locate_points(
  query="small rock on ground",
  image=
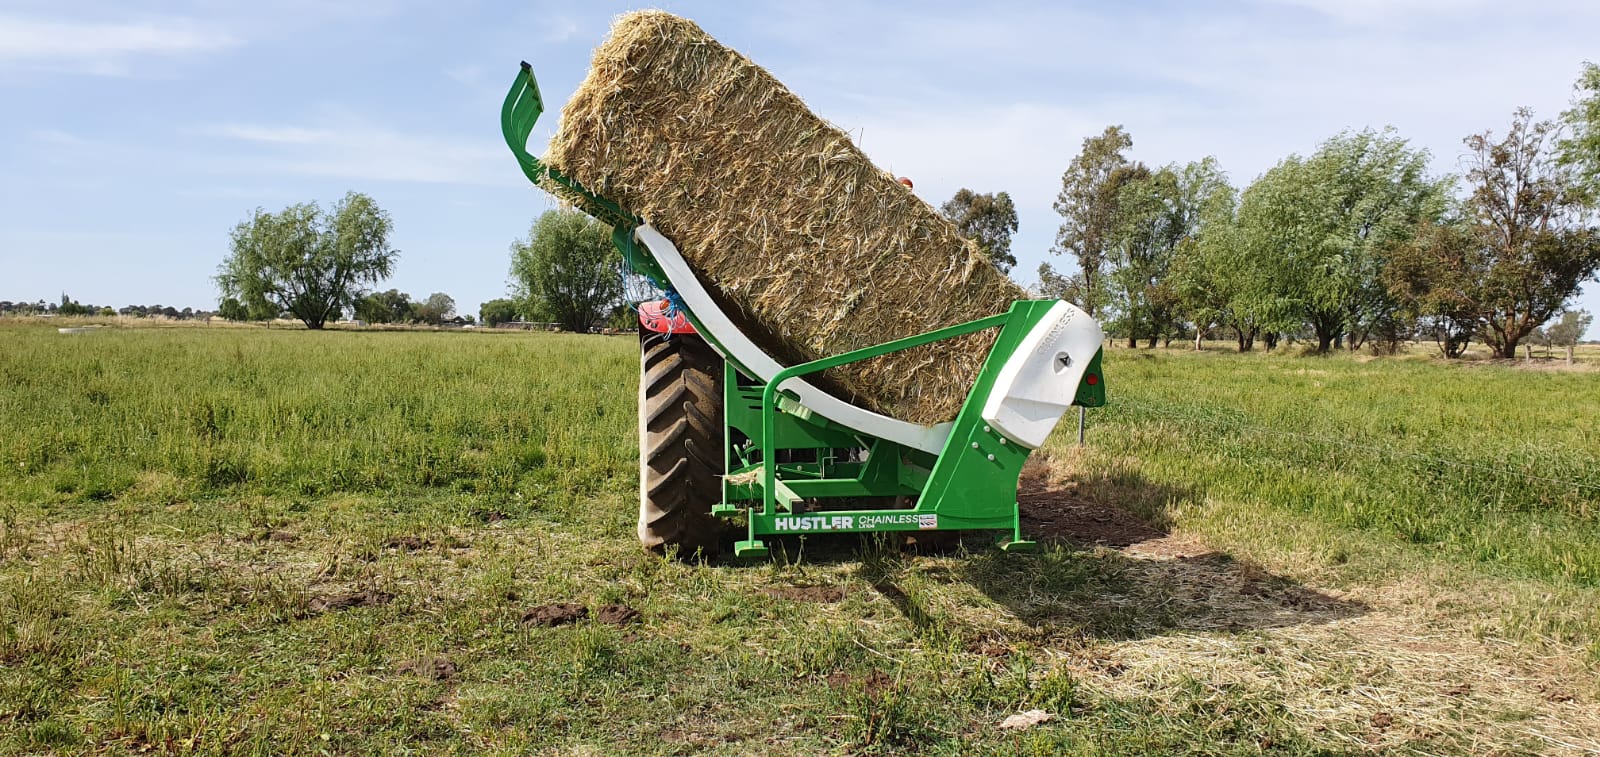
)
(1027, 719)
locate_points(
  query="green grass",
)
(237, 540)
(89, 416)
(1492, 463)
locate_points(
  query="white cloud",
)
(472, 77)
(58, 137)
(558, 29)
(987, 149)
(283, 135)
(102, 48)
(1370, 12)
(358, 150)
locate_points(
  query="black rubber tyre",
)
(680, 443)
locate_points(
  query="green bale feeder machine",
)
(726, 432)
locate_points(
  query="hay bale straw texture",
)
(811, 248)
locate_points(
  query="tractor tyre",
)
(681, 454)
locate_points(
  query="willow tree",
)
(566, 270)
(310, 263)
(1324, 221)
(1580, 150)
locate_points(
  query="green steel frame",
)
(970, 485)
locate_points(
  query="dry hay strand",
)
(812, 249)
(1370, 682)
(740, 479)
(1385, 674)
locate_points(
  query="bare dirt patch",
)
(436, 668)
(556, 614)
(272, 535)
(990, 644)
(872, 684)
(617, 615)
(408, 543)
(1052, 513)
(345, 601)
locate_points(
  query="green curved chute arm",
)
(521, 111)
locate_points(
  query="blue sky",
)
(136, 134)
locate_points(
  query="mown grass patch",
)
(1491, 463)
(239, 540)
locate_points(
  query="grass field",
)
(239, 540)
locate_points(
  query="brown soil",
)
(824, 594)
(408, 543)
(930, 542)
(876, 683)
(557, 614)
(617, 615)
(437, 668)
(1052, 514)
(1554, 695)
(872, 684)
(363, 598)
(990, 644)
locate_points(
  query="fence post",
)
(1082, 412)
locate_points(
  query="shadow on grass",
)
(1103, 570)
(1108, 568)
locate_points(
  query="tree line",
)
(1354, 245)
(316, 265)
(71, 307)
